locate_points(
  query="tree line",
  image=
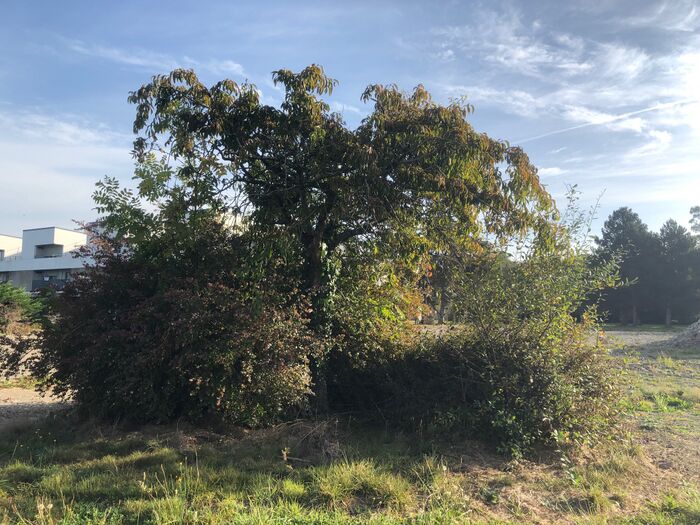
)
(660, 271)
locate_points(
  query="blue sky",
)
(603, 94)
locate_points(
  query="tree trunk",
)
(312, 287)
(443, 306)
(635, 315)
(668, 315)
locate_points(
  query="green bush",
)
(521, 368)
(18, 319)
(140, 339)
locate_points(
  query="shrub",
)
(519, 369)
(18, 317)
(138, 338)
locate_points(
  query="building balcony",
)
(40, 284)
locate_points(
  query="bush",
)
(520, 369)
(137, 338)
(18, 317)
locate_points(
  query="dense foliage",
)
(271, 258)
(143, 337)
(413, 177)
(661, 270)
(522, 369)
(18, 315)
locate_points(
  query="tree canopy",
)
(661, 270)
(414, 173)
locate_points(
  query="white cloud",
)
(155, 61)
(514, 101)
(614, 122)
(217, 67)
(339, 107)
(617, 60)
(134, 57)
(670, 15)
(50, 164)
(550, 172)
(446, 55)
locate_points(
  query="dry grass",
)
(328, 472)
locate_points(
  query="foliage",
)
(522, 370)
(695, 220)
(260, 239)
(177, 327)
(413, 177)
(677, 278)
(624, 234)
(18, 318)
(16, 305)
(661, 270)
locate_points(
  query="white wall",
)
(10, 245)
(59, 245)
(69, 239)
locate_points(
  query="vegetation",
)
(342, 471)
(523, 372)
(661, 270)
(271, 254)
(18, 314)
(256, 297)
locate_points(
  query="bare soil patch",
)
(19, 405)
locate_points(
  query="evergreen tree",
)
(695, 220)
(676, 278)
(625, 235)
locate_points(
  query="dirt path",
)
(671, 437)
(18, 405)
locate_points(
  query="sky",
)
(601, 94)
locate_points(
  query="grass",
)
(338, 472)
(51, 474)
(18, 382)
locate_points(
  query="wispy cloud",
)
(670, 15)
(504, 40)
(155, 61)
(622, 121)
(339, 107)
(512, 101)
(550, 172)
(50, 163)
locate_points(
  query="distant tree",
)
(676, 279)
(625, 235)
(695, 220)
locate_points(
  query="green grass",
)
(51, 474)
(18, 382)
(342, 473)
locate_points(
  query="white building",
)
(41, 257)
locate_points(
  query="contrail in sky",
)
(614, 118)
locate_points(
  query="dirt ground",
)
(19, 405)
(670, 436)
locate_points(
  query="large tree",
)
(414, 178)
(411, 166)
